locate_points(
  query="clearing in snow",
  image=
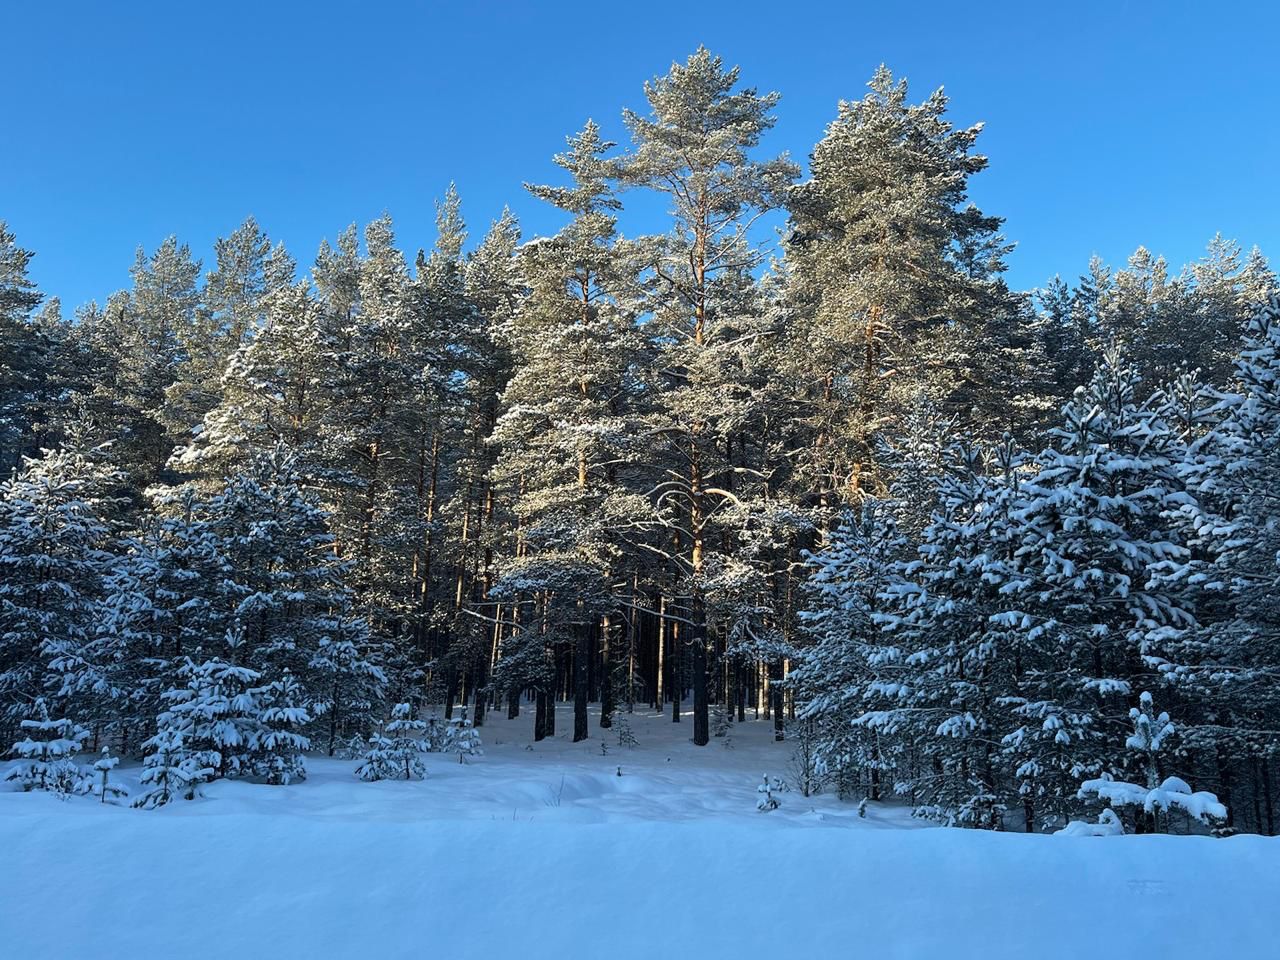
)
(561, 849)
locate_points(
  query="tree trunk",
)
(581, 687)
(540, 715)
(660, 694)
(606, 674)
(701, 711)
(775, 695)
(677, 680)
(1266, 796)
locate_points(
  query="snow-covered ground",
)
(541, 850)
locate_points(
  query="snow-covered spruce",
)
(1157, 798)
(463, 739)
(47, 754)
(396, 753)
(767, 793)
(281, 744)
(170, 771)
(104, 787)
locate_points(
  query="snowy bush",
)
(767, 793)
(104, 765)
(463, 739)
(395, 753)
(171, 770)
(281, 743)
(722, 720)
(1151, 732)
(1173, 793)
(46, 755)
(626, 736)
(435, 736)
(1108, 825)
(350, 748)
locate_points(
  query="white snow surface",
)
(542, 850)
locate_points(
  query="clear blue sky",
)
(1109, 125)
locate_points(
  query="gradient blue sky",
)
(1109, 125)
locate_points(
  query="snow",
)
(540, 850)
(1108, 825)
(1173, 794)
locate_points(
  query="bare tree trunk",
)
(660, 694)
(1266, 796)
(606, 674)
(775, 695)
(540, 715)
(581, 689)
(701, 711)
(677, 690)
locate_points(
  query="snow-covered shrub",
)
(807, 767)
(281, 742)
(435, 737)
(463, 739)
(626, 736)
(395, 753)
(1173, 793)
(721, 720)
(350, 748)
(767, 793)
(104, 765)
(47, 754)
(1108, 825)
(1151, 733)
(171, 770)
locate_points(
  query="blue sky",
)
(1109, 125)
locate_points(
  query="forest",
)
(802, 457)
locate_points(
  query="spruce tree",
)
(57, 521)
(281, 744)
(25, 354)
(1102, 553)
(47, 752)
(395, 753)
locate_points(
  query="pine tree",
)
(463, 739)
(25, 354)
(159, 325)
(103, 766)
(346, 678)
(566, 428)
(896, 281)
(1150, 741)
(270, 390)
(1104, 558)
(694, 148)
(474, 516)
(281, 743)
(56, 526)
(47, 753)
(170, 770)
(1224, 671)
(395, 753)
(231, 310)
(847, 654)
(950, 650)
(160, 603)
(217, 714)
